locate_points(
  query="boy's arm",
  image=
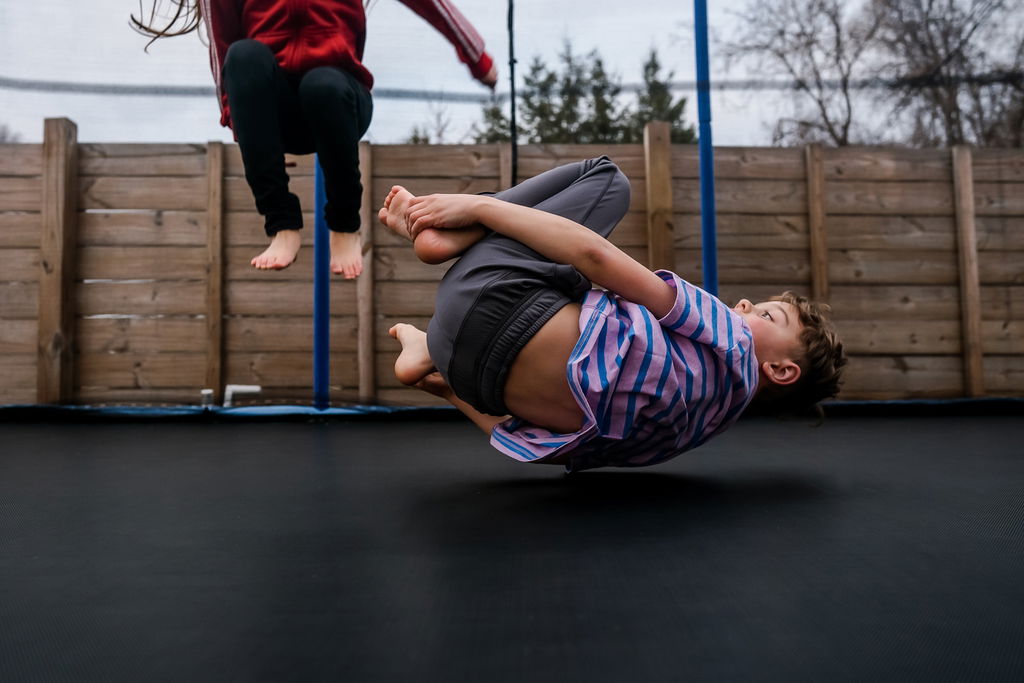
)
(557, 238)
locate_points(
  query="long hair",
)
(181, 20)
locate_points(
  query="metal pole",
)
(709, 247)
(512, 96)
(321, 296)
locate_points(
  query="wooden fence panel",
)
(147, 238)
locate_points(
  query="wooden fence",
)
(124, 273)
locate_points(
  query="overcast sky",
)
(89, 41)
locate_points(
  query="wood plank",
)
(214, 331)
(291, 333)
(1002, 337)
(21, 194)
(146, 159)
(740, 163)
(19, 300)
(20, 265)
(1004, 376)
(140, 298)
(413, 161)
(18, 371)
(286, 298)
(169, 193)
(141, 228)
(746, 231)
(894, 337)
(119, 336)
(967, 261)
(18, 336)
(535, 159)
(893, 377)
(20, 229)
(365, 290)
(924, 198)
(999, 165)
(287, 369)
(889, 164)
(142, 263)
(751, 197)
(404, 298)
(57, 258)
(1001, 267)
(410, 397)
(142, 370)
(657, 153)
(857, 266)
(891, 232)
(20, 160)
(999, 199)
(815, 164)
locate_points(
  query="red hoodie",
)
(304, 34)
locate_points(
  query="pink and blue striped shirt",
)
(649, 388)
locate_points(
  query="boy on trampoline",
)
(558, 372)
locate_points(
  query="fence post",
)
(54, 370)
(658, 166)
(215, 269)
(970, 288)
(504, 165)
(366, 358)
(815, 169)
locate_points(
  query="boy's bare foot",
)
(413, 363)
(346, 254)
(431, 246)
(392, 214)
(284, 246)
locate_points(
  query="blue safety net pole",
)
(513, 131)
(709, 245)
(321, 296)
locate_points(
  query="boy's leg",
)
(593, 193)
(259, 96)
(501, 292)
(338, 109)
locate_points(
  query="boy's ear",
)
(781, 372)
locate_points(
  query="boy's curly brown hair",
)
(822, 363)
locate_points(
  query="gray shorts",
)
(500, 292)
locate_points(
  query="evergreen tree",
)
(579, 102)
(655, 103)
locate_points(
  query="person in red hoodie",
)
(290, 78)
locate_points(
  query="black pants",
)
(325, 110)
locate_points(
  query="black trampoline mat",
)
(864, 549)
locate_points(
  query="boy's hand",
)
(442, 211)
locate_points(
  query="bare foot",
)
(431, 246)
(393, 213)
(346, 254)
(284, 246)
(413, 363)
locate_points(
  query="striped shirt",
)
(649, 388)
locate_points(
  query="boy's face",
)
(776, 328)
